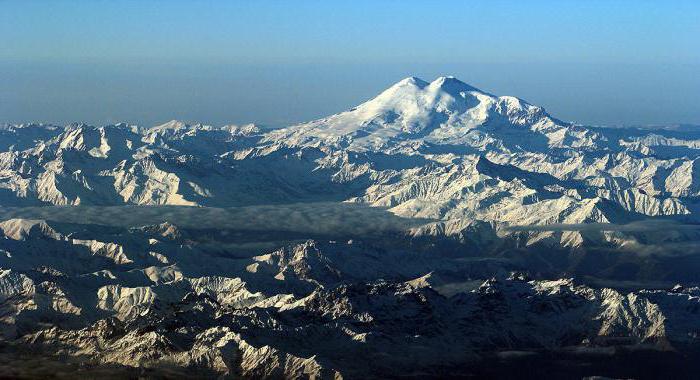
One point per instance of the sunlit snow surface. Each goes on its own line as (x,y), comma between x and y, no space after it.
(434,231)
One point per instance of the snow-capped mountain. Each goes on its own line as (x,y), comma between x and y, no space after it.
(441,150)
(506,203)
(413,113)
(150,297)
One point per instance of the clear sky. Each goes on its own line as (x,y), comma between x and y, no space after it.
(280,62)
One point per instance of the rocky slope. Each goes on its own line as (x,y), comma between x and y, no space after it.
(531,240)
(442,150)
(150,297)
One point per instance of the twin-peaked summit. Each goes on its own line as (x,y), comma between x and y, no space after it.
(442,150)
(448,84)
(442,111)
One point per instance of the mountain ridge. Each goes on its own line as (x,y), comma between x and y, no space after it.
(496,230)
(441,150)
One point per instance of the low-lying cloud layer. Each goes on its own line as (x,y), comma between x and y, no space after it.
(313,218)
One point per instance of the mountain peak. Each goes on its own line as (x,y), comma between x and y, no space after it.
(171,125)
(410,81)
(451,85)
(445,109)
(446,84)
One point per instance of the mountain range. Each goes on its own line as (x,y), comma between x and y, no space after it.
(527,239)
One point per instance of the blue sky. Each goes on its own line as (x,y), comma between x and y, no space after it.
(280,62)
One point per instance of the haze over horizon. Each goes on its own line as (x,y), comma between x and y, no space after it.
(425,208)
(612,63)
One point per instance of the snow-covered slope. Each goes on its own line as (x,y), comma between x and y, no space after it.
(508,203)
(150,297)
(442,150)
(414,112)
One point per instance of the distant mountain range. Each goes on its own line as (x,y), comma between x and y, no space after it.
(510,199)
(442,150)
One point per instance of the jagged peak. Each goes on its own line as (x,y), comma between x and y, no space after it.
(165,229)
(170,125)
(21,229)
(78,125)
(243,130)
